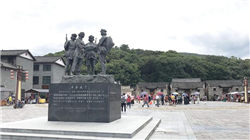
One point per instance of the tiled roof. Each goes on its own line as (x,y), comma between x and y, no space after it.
(224,83)
(7,65)
(15,53)
(152,85)
(11,52)
(186,80)
(187,85)
(46,59)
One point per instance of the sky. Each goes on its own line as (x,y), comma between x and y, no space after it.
(213,27)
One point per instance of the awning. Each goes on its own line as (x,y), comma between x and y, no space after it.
(196,93)
(37,91)
(244,91)
(234,93)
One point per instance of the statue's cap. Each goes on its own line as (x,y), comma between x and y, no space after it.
(81,33)
(103,30)
(91,36)
(74,35)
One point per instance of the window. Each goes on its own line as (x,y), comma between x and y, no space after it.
(36,67)
(214,89)
(35,80)
(46,67)
(46,80)
(237,89)
(11,60)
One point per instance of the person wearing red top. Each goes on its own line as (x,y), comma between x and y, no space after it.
(145,101)
(138,99)
(129,101)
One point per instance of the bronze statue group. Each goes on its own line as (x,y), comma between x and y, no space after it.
(76,51)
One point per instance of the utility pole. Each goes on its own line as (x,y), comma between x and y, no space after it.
(246,89)
(19,84)
(21,75)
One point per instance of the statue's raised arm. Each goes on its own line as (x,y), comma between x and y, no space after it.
(66,45)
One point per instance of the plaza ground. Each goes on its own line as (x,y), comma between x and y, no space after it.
(206,120)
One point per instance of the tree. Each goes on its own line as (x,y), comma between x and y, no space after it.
(129,66)
(124,72)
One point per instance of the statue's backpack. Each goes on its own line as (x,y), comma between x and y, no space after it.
(109,43)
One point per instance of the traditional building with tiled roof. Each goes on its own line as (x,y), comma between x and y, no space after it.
(187,85)
(47,69)
(11,60)
(220,87)
(152,87)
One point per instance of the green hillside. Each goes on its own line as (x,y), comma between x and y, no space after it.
(130,66)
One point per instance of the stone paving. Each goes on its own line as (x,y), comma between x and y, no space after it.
(206,120)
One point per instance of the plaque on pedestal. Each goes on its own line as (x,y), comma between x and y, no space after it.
(84,102)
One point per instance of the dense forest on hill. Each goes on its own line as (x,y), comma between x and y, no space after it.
(130,66)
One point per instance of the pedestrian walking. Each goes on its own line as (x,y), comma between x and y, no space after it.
(10,100)
(123,102)
(138,99)
(129,101)
(173,98)
(198,99)
(145,100)
(132,100)
(157,100)
(193,99)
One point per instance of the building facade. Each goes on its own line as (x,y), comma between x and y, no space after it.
(208,88)
(7,83)
(220,87)
(152,87)
(187,85)
(11,60)
(47,70)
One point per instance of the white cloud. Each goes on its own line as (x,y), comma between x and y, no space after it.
(146,24)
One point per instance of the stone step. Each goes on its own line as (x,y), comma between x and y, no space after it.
(120,128)
(144,133)
(28,136)
(148,130)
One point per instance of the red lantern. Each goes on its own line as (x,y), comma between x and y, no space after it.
(12,74)
(26,75)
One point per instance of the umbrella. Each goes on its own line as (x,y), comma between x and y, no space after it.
(233,93)
(159,93)
(184,94)
(244,91)
(144,93)
(196,93)
(175,93)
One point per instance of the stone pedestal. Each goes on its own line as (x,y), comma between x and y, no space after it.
(88,79)
(78,100)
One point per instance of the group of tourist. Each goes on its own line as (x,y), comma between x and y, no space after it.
(17,104)
(126,101)
(229,97)
(160,99)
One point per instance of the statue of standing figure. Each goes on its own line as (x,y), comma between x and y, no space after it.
(76,50)
(90,55)
(69,47)
(104,46)
(78,54)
